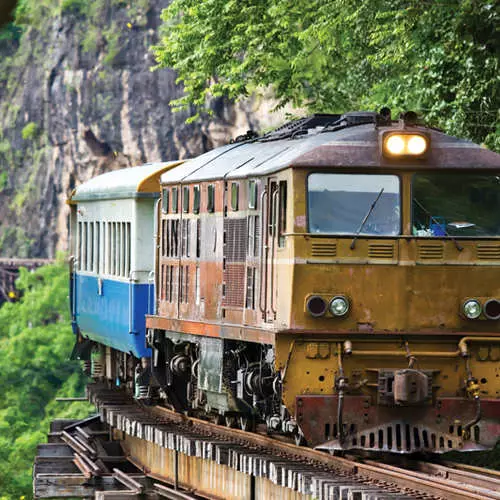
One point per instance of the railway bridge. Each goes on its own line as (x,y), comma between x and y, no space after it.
(9,271)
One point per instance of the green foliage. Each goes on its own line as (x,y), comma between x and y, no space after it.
(30,131)
(35,342)
(75,6)
(439,57)
(10,32)
(112,37)
(4,181)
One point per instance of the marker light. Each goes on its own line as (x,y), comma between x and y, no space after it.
(316,306)
(472,309)
(492,309)
(339,306)
(395,145)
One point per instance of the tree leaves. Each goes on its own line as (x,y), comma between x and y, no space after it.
(35,344)
(439,57)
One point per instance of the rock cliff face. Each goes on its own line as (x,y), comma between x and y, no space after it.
(77,98)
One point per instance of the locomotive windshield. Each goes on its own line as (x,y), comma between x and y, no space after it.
(354,204)
(456,204)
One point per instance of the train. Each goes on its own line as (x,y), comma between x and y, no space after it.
(335,280)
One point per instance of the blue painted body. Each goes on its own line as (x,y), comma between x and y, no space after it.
(116,316)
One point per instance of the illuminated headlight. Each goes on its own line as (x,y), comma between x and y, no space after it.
(396,145)
(339,306)
(471,309)
(416,145)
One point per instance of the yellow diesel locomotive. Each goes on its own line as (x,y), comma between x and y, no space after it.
(338,279)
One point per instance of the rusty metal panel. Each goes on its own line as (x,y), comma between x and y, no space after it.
(234,280)
(397,429)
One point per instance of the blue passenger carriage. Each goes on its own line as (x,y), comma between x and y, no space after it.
(113,264)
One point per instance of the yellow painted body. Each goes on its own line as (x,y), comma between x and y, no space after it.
(400,288)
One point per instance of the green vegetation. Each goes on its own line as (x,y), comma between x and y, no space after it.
(35,343)
(30,131)
(438,57)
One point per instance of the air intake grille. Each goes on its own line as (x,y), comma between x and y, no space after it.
(430,251)
(488,252)
(381,251)
(324,249)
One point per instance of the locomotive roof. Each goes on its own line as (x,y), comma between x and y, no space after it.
(133,182)
(344,147)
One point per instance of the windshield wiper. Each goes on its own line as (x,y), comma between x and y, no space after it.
(433,219)
(363,222)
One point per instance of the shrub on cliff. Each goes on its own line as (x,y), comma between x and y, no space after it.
(35,344)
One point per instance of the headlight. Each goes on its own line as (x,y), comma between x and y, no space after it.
(472,309)
(339,306)
(404,144)
(395,145)
(316,306)
(416,145)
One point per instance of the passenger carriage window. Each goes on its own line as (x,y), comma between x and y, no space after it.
(109,247)
(175,200)
(119,248)
(235,191)
(80,246)
(185,199)
(252,195)
(210,198)
(97,253)
(164,205)
(90,246)
(196,199)
(348,204)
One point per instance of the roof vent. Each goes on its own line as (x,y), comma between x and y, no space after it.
(300,126)
(359,117)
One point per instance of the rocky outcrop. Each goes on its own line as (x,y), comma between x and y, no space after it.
(77,98)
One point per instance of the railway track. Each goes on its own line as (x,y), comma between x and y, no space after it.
(170,451)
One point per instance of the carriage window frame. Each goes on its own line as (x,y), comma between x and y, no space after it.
(165,200)
(252,195)
(400,180)
(185,199)
(235,195)
(196,199)
(175,200)
(211,198)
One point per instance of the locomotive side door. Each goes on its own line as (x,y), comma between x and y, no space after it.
(268,251)
(273,227)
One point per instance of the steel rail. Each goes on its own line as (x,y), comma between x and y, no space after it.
(445,479)
(469,475)
(370,472)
